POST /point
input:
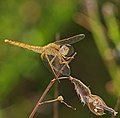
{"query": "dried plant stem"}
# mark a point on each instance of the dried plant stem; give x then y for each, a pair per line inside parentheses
(43, 95)
(41, 98)
(49, 101)
(58, 99)
(68, 105)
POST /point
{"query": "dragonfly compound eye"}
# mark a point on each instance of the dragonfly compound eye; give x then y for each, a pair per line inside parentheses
(64, 50)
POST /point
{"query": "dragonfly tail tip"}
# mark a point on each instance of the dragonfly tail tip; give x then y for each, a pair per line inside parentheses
(6, 40)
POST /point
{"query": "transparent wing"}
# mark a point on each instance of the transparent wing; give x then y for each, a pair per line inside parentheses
(56, 65)
(70, 40)
(71, 51)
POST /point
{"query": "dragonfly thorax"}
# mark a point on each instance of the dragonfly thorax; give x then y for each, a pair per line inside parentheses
(51, 49)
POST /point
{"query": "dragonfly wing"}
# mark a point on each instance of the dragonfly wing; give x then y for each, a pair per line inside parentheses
(57, 67)
(61, 68)
(66, 71)
(46, 62)
(70, 40)
(71, 51)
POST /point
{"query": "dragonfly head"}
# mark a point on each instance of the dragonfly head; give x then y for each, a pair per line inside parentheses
(66, 50)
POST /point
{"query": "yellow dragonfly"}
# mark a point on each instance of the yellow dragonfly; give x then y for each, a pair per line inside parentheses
(55, 55)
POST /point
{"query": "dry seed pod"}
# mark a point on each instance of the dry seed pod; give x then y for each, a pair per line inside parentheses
(94, 102)
(98, 106)
(82, 90)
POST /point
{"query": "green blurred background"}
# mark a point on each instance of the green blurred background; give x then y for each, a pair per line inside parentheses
(23, 76)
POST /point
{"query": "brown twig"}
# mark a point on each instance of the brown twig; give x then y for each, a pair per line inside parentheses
(41, 98)
(59, 99)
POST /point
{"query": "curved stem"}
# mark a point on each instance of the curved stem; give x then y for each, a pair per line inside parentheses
(41, 98)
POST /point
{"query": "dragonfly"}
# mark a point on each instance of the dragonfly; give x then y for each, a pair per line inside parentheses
(54, 55)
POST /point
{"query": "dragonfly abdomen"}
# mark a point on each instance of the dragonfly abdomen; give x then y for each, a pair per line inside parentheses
(36, 49)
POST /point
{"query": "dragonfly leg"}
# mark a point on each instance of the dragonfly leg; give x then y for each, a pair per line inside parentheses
(52, 67)
(69, 58)
(53, 59)
(62, 60)
(66, 59)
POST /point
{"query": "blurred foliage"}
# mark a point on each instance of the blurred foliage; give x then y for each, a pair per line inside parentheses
(23, 77)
